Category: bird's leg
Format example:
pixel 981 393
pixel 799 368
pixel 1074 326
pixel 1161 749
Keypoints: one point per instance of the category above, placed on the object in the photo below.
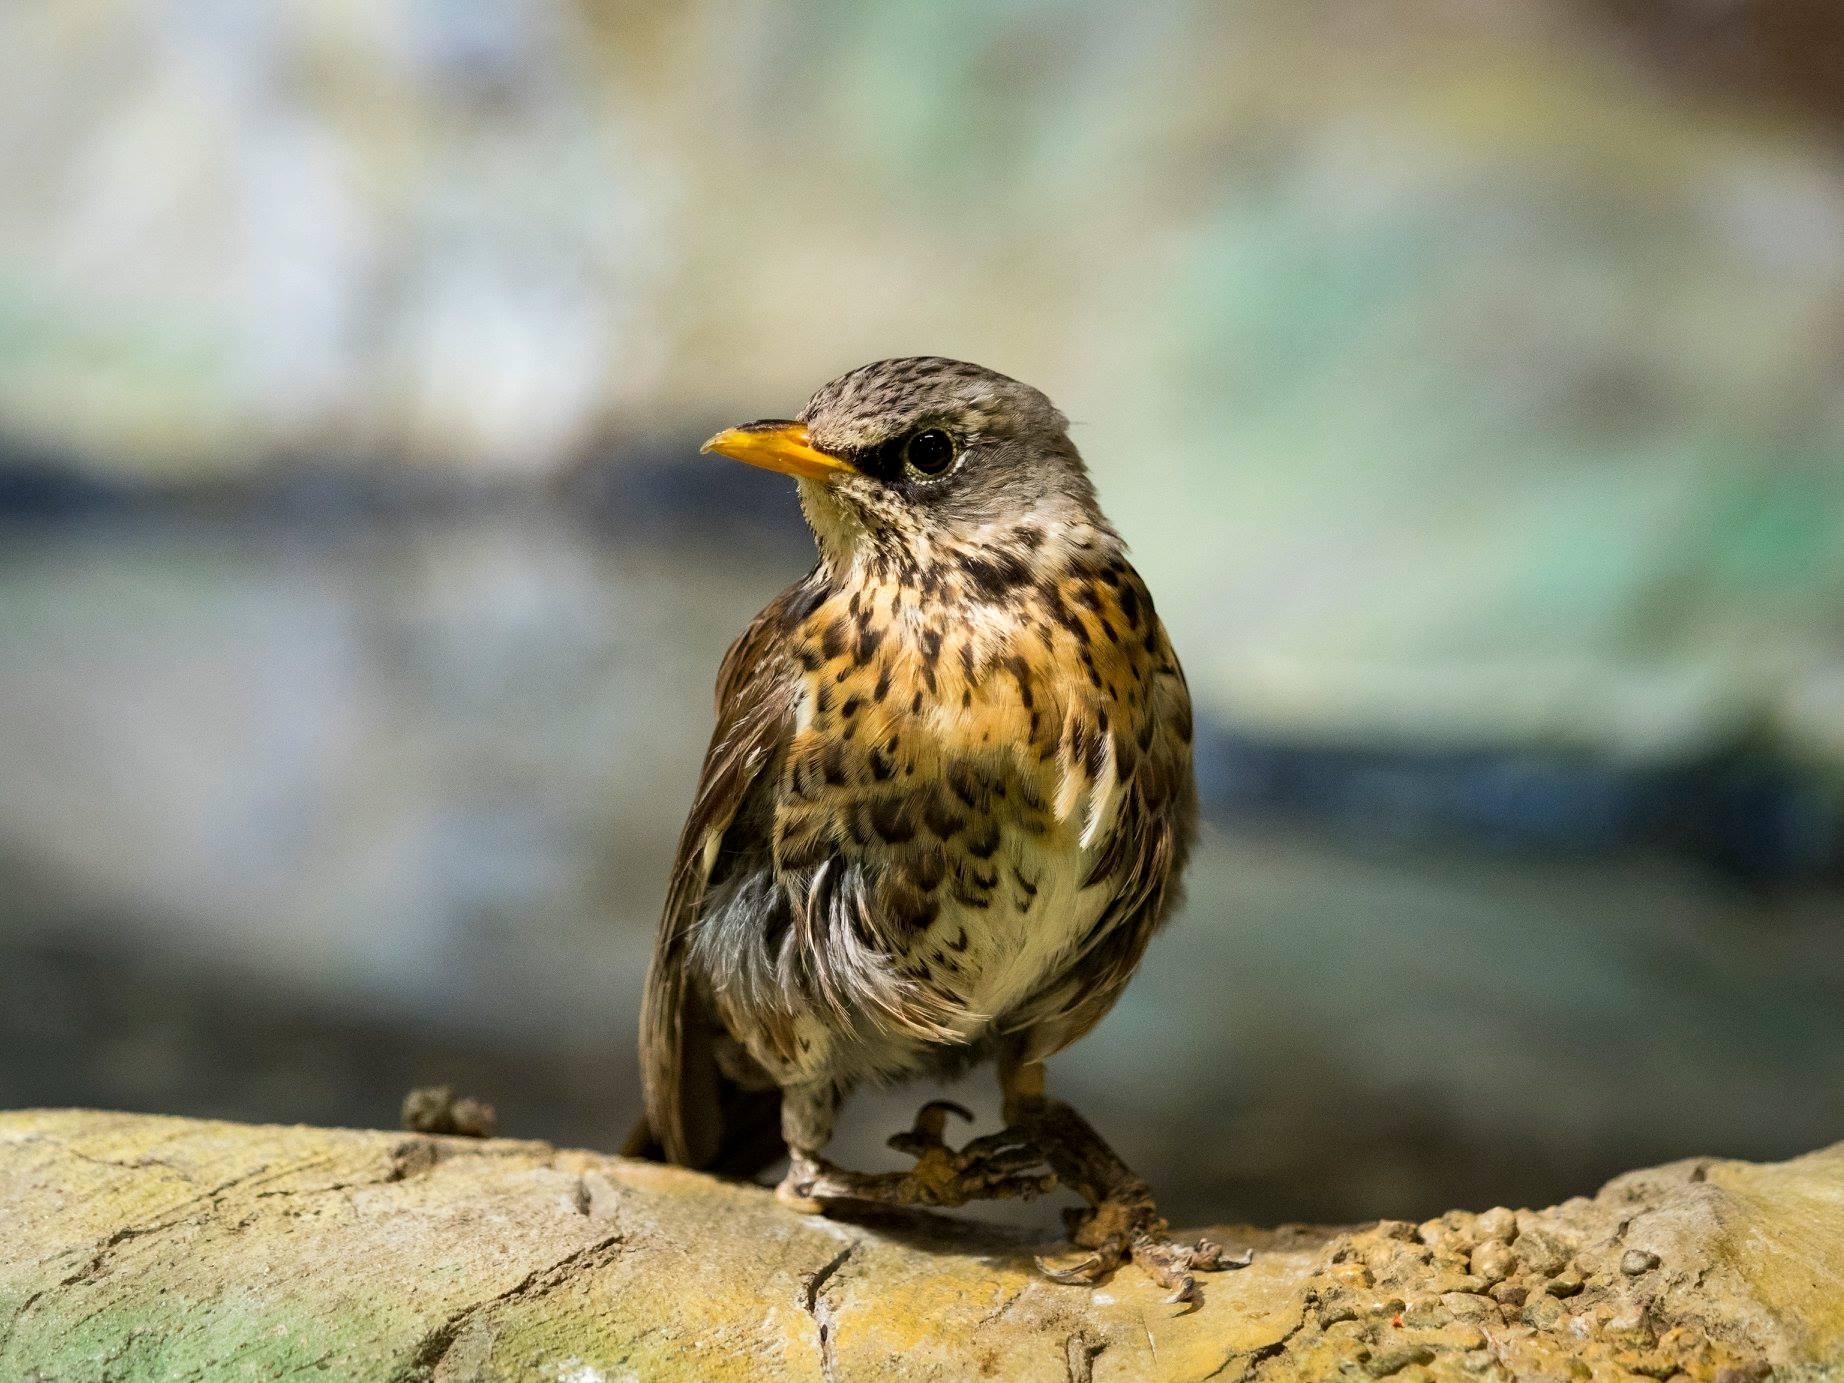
pixel 1121 1221
pixel 992 1168
pixel 807 1114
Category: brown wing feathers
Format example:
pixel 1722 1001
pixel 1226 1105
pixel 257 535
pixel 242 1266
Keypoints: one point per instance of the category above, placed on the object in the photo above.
pixel 684 1090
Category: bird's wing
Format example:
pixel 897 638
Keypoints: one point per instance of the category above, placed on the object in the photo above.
pixel 679 1076
pixel 1139 858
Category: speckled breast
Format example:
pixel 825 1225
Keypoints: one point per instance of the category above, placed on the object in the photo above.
pixel 963 771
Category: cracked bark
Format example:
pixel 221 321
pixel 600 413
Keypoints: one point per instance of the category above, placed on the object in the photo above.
pixel 816 1306
pixel 436 1344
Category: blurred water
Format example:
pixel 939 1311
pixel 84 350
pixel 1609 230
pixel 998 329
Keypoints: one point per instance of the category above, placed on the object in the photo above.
pixel 296 814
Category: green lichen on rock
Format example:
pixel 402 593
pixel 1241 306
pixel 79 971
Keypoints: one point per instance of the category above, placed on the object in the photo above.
pixel 141 1248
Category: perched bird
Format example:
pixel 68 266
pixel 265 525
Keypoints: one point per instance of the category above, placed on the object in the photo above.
pixel 945 807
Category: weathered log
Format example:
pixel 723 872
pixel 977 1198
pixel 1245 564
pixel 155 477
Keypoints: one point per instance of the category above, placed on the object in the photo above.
pixel 140 1247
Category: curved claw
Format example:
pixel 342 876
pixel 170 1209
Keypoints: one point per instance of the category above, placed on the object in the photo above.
pixel 934 1115
pixel 931 1123
pixel 1084 1273
pixel 1185 1293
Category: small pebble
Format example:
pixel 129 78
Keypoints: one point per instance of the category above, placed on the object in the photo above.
pixel 1497 1223
pixel 1337 1305
pixel 1492 1261
pixel 1636 1261
pixel 1630 1323
pixel 1469 1306
pixel 1565 1283
pixel 1541 1254
pixel 1510 1293
pixel 1389 1361
pixel 1545 1313
pixel 1467 1337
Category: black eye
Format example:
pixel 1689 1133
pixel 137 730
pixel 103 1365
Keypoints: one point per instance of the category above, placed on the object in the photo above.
pixel 929 453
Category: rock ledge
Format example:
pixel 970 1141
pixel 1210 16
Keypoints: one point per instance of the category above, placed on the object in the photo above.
pixel 143 1247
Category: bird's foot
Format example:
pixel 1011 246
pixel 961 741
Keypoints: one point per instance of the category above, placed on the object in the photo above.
pixel 1001 1166
pixel 1006 1165
pixel 1119 1230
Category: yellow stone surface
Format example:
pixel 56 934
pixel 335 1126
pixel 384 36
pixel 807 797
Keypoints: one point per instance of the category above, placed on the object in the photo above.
pixel 139 1247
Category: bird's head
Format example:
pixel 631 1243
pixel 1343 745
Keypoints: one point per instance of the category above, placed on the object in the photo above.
pixel 924 460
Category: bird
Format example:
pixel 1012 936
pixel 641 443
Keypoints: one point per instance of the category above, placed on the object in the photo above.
pixel 947 802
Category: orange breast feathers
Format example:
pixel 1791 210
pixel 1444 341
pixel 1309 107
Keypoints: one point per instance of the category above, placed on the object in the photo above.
pixel 1072 680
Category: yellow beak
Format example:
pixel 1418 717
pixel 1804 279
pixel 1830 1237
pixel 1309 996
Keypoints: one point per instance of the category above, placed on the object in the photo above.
pixel 778 445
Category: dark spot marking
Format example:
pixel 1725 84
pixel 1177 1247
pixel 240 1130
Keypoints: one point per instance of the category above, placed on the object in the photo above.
pixel 807 599
pixel 1095 756
pixel 911 912
pixel 1021 673
pixel 941 818
pixel 891 822
pixel 869 637
pixel 858 822
pixel 995 573
pixel 929 867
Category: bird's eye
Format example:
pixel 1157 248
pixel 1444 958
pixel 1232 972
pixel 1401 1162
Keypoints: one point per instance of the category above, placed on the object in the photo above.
pixel 930 454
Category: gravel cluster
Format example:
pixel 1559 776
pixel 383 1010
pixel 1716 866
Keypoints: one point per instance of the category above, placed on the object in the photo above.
pixel 1501 1295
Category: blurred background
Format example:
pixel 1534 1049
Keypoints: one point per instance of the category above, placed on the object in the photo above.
pixel 1465 373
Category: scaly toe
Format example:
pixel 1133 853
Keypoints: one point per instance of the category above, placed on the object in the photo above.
pixel 1171 1265
pixel 1018 1188
pixel 1209 1256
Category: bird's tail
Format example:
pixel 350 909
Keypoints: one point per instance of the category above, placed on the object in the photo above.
pixel 697 1116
